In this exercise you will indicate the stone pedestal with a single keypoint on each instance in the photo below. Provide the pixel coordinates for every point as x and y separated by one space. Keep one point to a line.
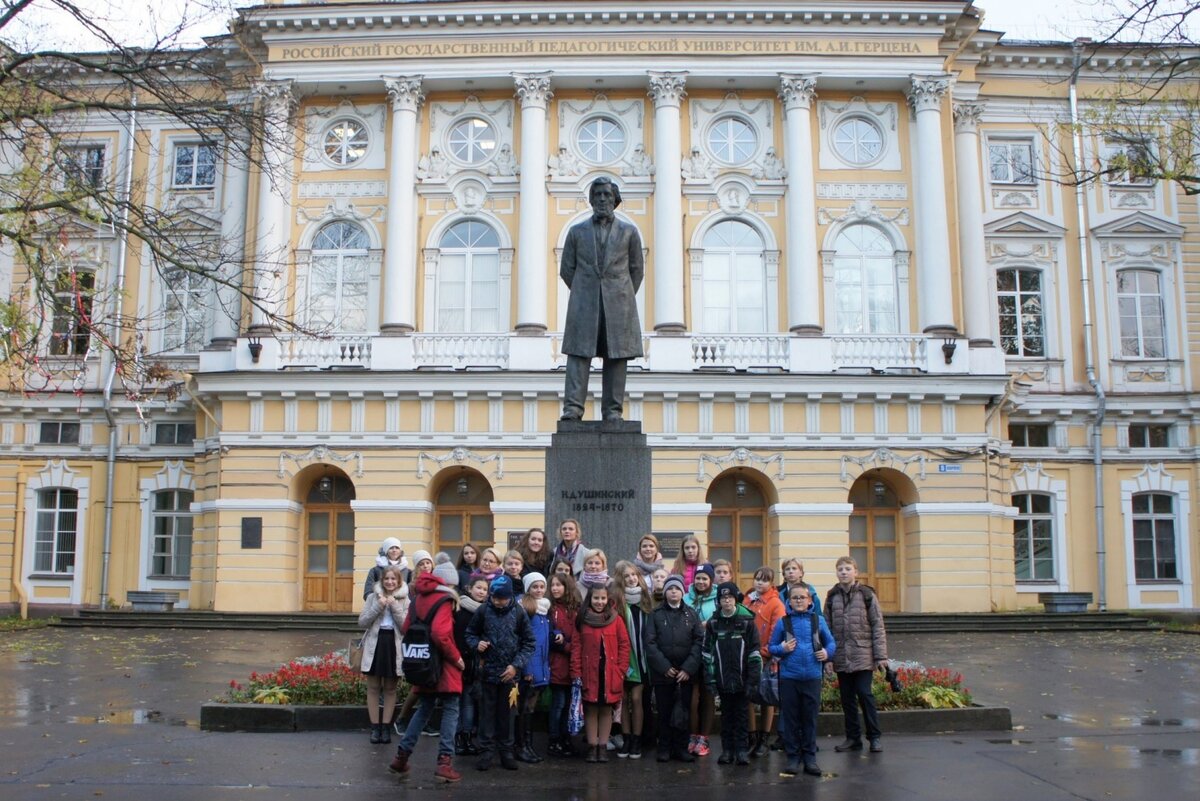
599 474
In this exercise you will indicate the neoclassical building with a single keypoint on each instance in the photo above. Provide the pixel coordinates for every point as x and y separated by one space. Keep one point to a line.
871 313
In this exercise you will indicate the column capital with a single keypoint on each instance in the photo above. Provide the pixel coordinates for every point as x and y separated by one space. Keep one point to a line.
278 99
927 91
404 91
966 117
533 88
667 88
797 91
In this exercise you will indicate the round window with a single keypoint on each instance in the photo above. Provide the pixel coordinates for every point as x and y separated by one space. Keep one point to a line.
601 140
472 141
345 142
857 141
732 140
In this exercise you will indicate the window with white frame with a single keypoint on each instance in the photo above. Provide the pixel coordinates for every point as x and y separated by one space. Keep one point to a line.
468 279
345 142
1033 536
174 433
864 282
58 433
857 141
732 140
338 278
1029 435
601 140
71 315
1141 314
472 141
1010 161
195 166
734 281
172 521
82 166
1154 548
57 524
1149 435
1124 161
184 296
1022 313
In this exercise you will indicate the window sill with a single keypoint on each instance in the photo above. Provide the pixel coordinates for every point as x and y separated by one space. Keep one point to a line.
1159 582
169 578
52 576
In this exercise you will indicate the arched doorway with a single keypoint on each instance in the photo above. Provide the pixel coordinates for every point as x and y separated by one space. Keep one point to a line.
875 537
737 525
463 512
329 545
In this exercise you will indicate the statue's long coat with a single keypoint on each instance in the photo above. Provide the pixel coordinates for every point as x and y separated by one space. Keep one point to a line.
613 284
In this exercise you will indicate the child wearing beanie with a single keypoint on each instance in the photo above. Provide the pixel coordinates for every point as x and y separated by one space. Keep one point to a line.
537 670
732 662
390 554
674 640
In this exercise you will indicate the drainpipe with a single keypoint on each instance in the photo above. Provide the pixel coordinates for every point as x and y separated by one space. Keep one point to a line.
1085 283
18 559
110 460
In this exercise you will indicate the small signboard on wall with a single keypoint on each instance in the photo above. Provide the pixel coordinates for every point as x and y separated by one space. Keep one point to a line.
252 532
669 543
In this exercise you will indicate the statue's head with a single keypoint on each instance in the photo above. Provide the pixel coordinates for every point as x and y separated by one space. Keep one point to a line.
608 183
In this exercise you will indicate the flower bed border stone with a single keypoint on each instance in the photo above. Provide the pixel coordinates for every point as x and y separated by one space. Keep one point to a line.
216 716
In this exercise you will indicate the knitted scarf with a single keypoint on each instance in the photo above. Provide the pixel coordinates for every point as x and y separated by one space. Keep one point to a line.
647 567
598 619
599 579
633 595
468 603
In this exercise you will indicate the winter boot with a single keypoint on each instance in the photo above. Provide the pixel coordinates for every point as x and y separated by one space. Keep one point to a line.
399 762
635 748
508 760
445 770
385 733
485 761
626 744
460 744
848 745
759 748
473 748
533 755
376 734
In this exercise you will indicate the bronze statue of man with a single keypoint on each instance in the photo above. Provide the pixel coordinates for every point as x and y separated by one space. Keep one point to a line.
602 266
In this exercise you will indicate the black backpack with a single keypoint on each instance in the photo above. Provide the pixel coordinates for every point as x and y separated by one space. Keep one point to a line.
815 634
421 661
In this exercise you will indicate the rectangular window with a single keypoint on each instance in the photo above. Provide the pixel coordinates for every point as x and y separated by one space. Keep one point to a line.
184 310
1142 318
1126 162
59 434
1022 320
195 166
1154 537
57 515
172 518
83 166
71 316
1011 161
1029 435
1033 533
1147 435
174 433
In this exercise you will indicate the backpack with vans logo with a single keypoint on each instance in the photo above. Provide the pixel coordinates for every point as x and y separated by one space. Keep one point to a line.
421 661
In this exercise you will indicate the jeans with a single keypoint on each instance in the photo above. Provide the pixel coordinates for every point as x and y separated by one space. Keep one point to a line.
424 708
468 709
495 718
560 700
799 701
735 719
855 689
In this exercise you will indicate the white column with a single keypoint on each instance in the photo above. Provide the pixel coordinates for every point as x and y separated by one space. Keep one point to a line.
400 249
534 94
935 300
803 267
226 314
274 203
978 310
667 91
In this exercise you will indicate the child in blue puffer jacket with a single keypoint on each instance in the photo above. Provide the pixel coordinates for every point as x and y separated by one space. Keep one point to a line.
803 643
536 676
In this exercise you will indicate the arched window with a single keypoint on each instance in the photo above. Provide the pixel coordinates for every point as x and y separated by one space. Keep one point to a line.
468 279
338 278
1155 556
865 283
734 285
57 526
464 513
1033 536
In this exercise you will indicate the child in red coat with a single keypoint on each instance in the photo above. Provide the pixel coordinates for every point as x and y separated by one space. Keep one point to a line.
599 660
564 609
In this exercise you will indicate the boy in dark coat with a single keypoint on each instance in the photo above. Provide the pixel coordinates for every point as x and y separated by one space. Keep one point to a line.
500 631
674 641
733 663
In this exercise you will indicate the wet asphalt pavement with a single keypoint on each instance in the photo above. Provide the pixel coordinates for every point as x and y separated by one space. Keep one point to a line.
109 713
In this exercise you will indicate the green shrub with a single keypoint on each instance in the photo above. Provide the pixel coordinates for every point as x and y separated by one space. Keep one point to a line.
944 686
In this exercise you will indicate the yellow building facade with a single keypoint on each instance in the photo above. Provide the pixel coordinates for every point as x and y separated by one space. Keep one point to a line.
870 312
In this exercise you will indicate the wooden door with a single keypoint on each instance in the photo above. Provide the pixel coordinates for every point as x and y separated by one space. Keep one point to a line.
737 527
328 558
874 545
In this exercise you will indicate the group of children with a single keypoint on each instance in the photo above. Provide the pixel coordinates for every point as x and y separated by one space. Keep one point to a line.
650 641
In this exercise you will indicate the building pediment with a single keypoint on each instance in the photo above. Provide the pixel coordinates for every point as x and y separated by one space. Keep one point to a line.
1024 224
1139 225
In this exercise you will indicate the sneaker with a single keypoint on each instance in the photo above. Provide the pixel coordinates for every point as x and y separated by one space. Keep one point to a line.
692 740
812 768
635 748
615 743
702 749
399 762
792 768
876 746
742 758
445 770
430 730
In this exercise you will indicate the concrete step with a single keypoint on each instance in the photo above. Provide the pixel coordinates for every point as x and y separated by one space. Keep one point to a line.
898 623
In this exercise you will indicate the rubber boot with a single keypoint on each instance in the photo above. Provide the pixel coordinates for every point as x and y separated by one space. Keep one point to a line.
531 756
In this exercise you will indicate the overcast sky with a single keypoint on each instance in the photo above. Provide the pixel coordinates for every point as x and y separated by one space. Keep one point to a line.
141 21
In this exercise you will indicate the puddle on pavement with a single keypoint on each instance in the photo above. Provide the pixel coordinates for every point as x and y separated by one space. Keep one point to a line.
1189 722
1011 742
1132 756
129 717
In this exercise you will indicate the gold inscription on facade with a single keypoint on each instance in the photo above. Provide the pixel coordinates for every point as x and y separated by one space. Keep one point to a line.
601 47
